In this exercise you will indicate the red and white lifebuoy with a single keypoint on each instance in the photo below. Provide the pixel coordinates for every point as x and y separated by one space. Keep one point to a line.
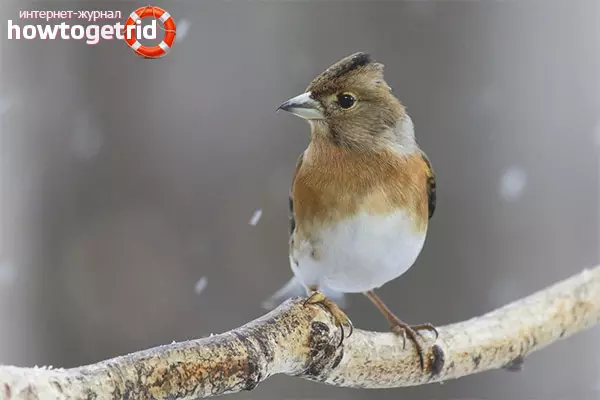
151 12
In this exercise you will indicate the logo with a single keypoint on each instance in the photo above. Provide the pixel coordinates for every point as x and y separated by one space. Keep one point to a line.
169 28
131 32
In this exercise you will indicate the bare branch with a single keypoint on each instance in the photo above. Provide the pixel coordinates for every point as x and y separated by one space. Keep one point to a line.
303 341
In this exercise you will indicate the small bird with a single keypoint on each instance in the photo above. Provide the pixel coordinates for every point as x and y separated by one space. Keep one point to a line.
362 192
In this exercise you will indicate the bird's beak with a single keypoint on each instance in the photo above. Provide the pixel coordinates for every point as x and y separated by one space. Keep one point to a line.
303 106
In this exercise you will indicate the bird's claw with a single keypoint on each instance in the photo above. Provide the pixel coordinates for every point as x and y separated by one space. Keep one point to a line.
400 328
426 327
341 319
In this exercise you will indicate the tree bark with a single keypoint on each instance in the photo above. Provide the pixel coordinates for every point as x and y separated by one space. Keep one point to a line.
302 340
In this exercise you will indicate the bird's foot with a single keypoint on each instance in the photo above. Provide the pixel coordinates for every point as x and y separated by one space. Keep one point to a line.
341 319
400 328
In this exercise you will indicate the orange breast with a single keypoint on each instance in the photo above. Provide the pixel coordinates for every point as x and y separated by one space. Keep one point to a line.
335 183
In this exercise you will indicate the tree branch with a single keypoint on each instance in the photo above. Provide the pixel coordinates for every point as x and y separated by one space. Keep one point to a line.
303 341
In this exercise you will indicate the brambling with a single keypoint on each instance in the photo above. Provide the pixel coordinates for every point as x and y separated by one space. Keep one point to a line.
362 192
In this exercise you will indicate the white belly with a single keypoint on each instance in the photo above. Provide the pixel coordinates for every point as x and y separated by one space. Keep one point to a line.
359 254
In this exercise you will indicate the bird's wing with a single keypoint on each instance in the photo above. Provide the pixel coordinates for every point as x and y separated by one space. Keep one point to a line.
292 219
431 196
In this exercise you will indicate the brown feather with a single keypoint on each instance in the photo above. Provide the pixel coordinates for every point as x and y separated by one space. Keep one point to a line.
333 183
348 70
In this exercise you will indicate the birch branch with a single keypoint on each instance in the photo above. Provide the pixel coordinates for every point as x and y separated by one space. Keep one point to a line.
303 341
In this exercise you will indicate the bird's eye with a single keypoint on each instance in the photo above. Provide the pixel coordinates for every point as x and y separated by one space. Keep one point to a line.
346 100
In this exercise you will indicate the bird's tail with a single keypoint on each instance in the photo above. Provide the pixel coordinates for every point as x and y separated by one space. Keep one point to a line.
295 288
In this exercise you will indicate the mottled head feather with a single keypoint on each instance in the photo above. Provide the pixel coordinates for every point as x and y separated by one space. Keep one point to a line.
348 64
354 63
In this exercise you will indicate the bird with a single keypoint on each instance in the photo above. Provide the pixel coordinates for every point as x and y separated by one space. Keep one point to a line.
362 194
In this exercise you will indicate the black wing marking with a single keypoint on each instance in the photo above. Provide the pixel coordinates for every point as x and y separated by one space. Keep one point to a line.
292 219
291 214
431 195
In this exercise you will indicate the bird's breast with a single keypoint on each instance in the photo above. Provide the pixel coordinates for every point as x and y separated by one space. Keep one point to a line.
358 254
359 222
333 185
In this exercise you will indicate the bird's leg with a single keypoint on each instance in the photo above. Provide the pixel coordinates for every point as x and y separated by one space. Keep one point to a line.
401 328
341 319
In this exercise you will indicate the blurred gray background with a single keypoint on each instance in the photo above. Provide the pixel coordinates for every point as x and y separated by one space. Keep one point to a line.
127 184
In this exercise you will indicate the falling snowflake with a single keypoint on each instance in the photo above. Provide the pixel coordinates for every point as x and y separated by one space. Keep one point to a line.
8 274
255 217
183 27
200 285
5 105
512 184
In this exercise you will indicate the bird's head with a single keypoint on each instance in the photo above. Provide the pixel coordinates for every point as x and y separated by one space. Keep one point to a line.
350 103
